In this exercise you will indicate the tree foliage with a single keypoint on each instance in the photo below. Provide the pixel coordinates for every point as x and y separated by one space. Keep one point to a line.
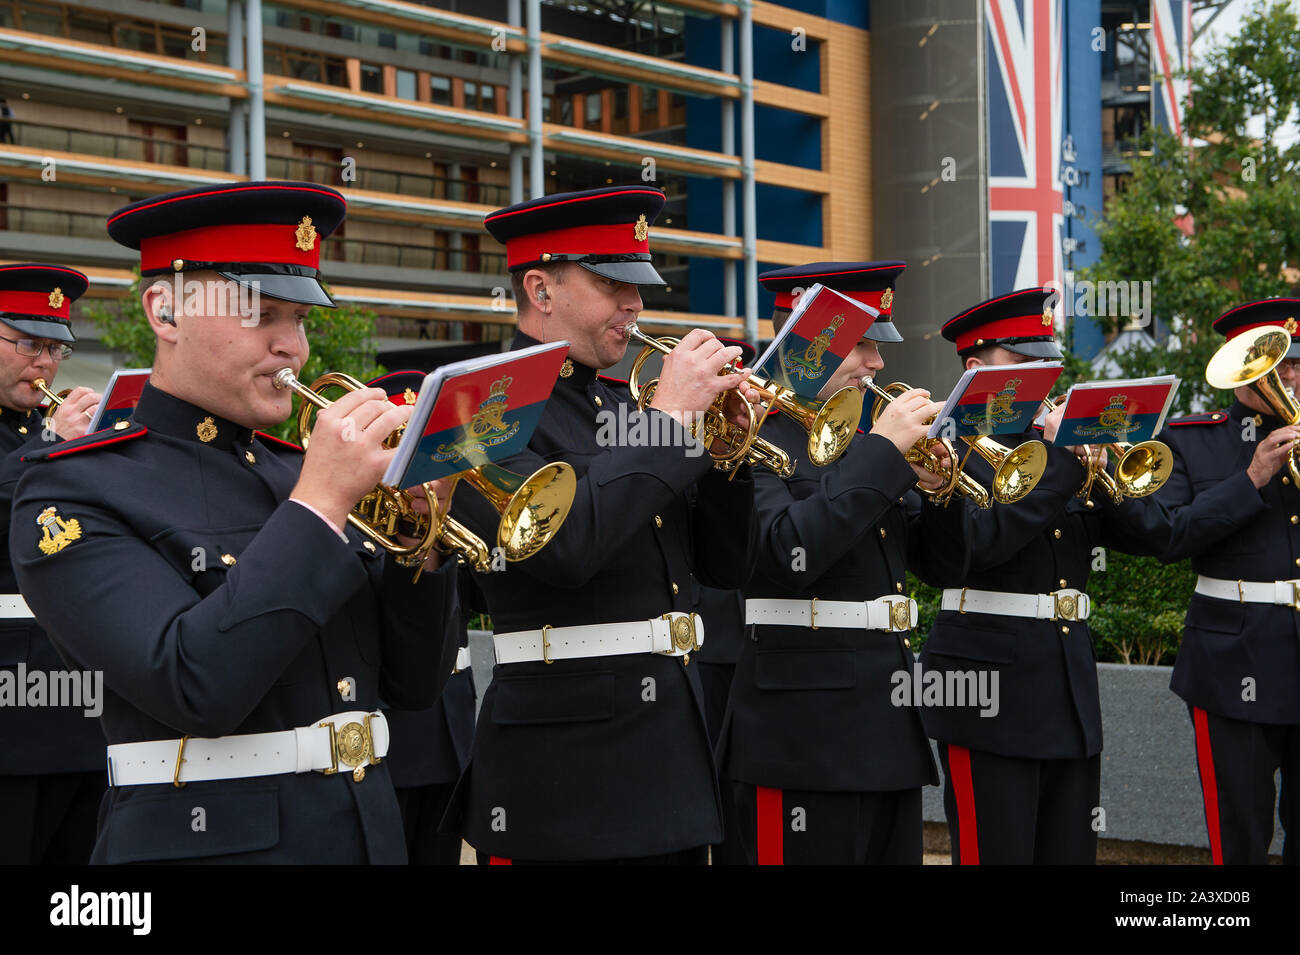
341 339
1236 192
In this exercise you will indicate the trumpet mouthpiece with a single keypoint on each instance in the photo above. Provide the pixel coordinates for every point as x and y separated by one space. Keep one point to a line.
38 383
284 378
629 330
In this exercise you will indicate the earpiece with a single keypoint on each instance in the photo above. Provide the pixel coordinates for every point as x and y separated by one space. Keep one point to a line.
165 315
541 295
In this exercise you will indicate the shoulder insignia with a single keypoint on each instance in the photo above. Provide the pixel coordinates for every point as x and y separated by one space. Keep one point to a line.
56 532
1205 417
280 442
97 439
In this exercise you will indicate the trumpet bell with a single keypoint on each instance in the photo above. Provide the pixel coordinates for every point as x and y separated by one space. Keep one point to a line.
833 426
1020 470
1252 361
1144 468
532 508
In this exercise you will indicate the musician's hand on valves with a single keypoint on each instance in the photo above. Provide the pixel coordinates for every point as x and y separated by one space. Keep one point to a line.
442 489
346 458
930 480
1271 454
1052 423
905 419
72 418
690 382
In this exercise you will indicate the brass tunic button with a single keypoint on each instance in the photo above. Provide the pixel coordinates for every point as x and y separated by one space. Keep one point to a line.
1294 519
358 774
674 588
1088 504
1259 419
1065 630
344 687
898 587
1057 533
1285 479
597 400
368 545
882 533
907 643
249 457
228 560
1062 581
22 429
659 521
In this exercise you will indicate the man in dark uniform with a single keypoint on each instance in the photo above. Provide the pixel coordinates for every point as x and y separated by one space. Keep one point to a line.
591 742
433 744
826 768
1022 774
51 773
1235 511
244 630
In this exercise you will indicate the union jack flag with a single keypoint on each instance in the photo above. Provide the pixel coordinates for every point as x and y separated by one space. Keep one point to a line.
1171 37
1025 95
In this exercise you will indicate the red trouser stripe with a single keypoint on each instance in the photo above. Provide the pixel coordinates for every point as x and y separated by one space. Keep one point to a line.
963 792
1210 789
771 826
498 860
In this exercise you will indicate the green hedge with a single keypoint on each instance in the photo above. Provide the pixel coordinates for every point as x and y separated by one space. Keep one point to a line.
1137 608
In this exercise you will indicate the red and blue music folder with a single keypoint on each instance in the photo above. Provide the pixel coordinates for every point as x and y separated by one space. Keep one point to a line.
1131 410
996 399
819 334
120 397
474 412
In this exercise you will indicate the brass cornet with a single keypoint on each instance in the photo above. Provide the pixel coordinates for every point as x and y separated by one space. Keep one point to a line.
532 508
830 424
1016 471
56 400
1252 361
1140 469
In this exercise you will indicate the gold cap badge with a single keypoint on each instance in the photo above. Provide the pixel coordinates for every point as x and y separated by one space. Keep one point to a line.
1290 326
56 298
408 396
642 228
305 235
206 429
887 299
1048 317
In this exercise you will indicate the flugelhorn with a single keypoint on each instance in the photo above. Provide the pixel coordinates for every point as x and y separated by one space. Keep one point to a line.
531 508
56 400
830 424
1016 471
1140 469
1252 361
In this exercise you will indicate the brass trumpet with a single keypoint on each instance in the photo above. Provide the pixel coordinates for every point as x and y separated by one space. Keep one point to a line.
532 508
1016 471
830 424
56 400
1140 469
1253 362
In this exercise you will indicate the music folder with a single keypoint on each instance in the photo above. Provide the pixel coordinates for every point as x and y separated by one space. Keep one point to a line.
474 412
996 399
822 329
1130 410
120 397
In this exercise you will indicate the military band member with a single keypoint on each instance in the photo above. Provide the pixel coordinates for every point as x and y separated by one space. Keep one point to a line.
591 743
1234 503
51 771
244 630
826 768
1022 784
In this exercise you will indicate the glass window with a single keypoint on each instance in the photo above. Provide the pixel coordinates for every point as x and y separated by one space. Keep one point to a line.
336 71
304 65
649 99
440 90
566 110
406 84
132 36
620 103
592 108
471 95
388 40
372 78
42 18
488 98
86 26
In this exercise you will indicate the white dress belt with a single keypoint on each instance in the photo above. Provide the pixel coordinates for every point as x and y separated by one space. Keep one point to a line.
892 613
674 634
336 743
1065 604
14 607
1285 593
462 660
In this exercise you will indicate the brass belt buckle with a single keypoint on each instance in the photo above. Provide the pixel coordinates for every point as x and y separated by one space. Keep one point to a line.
1295 595
1065 607
352 746
812 620
682 632
900 613
180 758
546 645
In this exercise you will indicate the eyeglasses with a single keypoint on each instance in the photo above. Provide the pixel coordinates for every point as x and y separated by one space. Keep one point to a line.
30 349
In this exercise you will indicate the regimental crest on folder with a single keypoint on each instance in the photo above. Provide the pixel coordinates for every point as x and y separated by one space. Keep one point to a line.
475 412
822 329
996 399
1132 410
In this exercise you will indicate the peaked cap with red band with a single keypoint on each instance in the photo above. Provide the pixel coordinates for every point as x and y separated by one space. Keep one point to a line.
263 235
1020 321
403 387
36 300
871 283
1269 311
606 231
